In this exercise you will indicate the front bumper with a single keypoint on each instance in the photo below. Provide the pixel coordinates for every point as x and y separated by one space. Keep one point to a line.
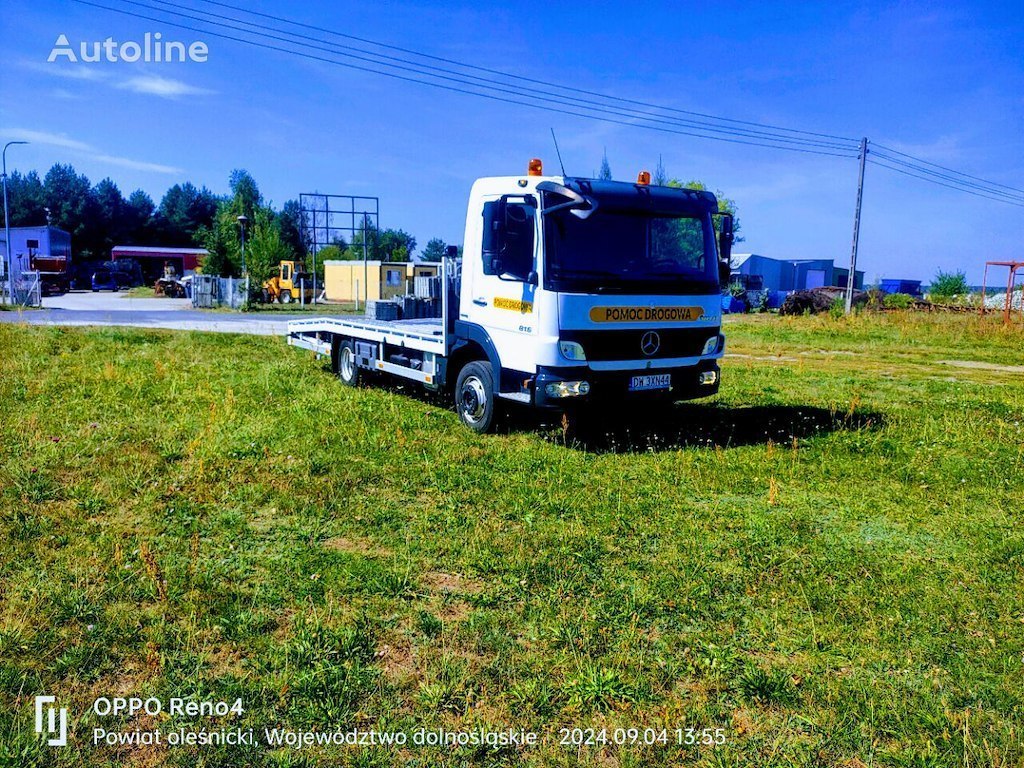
613 386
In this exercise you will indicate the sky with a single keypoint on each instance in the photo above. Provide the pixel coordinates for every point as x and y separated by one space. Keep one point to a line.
945 84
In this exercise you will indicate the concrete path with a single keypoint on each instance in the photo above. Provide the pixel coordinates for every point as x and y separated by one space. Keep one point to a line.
116 309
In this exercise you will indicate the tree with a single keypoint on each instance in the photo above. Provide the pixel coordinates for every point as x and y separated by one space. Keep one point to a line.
605 174
396 245
26 199
222 239
435 249
111 225
293 231
245 194
333 253
138 218
73 208
946 285
384 245
265 248
184 211
725 205
660 178
365 242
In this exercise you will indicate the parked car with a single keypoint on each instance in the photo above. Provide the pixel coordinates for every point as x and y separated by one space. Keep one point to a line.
106 280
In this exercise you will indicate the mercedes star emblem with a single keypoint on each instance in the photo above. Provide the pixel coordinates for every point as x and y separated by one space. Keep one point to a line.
650 343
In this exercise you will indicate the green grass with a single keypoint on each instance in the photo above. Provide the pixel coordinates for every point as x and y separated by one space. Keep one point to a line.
826 560
334 308
142 292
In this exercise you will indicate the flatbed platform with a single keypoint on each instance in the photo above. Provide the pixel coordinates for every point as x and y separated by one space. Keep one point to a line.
425 335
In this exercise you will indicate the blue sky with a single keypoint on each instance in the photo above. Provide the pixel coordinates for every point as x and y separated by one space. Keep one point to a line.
944 84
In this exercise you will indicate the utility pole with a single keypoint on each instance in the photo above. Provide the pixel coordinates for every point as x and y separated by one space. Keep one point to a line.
852 277
7 228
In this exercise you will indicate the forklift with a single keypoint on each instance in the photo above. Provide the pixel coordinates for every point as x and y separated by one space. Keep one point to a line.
288 285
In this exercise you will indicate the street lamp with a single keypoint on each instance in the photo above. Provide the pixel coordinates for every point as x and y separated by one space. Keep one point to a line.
242 221
7 228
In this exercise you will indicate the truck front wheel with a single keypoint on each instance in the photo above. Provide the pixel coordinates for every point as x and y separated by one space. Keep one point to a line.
345 364
474 396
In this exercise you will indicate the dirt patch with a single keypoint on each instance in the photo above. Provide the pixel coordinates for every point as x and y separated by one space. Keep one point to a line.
453 611
979 366
355 546
397 662
742 722
224 661
443 583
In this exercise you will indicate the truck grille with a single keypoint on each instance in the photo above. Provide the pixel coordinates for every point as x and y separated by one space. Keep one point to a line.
628 344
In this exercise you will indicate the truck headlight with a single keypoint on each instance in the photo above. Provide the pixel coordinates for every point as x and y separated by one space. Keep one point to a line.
711 345
567 388
571 350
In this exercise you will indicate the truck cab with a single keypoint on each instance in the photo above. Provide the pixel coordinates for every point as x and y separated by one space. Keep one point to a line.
579 290
569 291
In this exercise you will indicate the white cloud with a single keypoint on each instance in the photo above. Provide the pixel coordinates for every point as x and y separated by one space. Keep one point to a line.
66 71
150 84
85 150
136 165
52 139
162 86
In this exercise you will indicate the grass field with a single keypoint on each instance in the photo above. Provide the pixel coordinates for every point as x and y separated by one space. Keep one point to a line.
826 561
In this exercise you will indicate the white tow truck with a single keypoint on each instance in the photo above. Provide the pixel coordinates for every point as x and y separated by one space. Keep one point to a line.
569 291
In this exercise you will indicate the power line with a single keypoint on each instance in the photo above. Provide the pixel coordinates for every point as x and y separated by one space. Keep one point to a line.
635 119
944 168
942 184
489 85
522 78
986 187
757 134
519 90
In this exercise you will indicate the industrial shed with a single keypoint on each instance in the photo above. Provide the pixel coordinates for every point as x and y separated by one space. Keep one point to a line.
793 274
152 259
345 280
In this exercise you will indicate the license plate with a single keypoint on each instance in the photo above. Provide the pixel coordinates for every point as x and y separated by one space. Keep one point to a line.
656 381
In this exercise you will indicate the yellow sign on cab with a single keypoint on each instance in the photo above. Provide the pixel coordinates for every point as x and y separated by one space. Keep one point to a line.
645 314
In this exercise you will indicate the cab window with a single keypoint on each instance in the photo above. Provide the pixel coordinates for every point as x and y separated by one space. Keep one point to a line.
508 248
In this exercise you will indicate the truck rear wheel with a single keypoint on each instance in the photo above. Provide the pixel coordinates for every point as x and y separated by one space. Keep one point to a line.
345 364
474 396
286 296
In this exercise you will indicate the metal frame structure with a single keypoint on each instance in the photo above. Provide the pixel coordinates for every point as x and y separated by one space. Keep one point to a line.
1011 279
325 217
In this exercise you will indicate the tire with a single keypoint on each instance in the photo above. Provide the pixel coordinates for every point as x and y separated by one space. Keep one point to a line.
474 396
345 364
286 297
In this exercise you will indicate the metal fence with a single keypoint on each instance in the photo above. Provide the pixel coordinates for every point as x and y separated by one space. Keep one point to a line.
209 291
27 290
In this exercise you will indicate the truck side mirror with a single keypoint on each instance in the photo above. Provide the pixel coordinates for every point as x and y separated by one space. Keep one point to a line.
452 251
725 238
494 235
724 273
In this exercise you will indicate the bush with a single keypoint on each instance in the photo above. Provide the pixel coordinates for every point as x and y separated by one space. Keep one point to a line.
898 301
838 308
946 285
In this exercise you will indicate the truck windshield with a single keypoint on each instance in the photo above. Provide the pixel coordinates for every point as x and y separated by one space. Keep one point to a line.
630 252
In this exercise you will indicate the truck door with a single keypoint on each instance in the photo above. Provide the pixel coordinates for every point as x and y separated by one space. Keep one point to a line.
505 278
